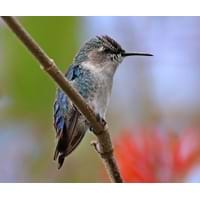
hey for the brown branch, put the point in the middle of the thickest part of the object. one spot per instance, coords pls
(104, 141)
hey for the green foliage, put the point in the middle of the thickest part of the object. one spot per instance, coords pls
(31, 91)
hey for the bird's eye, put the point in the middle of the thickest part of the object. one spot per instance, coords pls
(114, 57)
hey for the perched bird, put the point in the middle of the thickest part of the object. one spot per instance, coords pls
(91, 74)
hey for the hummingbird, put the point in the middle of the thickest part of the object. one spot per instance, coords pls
(91, 74)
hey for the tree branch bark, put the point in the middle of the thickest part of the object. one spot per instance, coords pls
(105, 148)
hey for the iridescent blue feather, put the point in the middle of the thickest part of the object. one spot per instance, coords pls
(61, 104)
(66, 116)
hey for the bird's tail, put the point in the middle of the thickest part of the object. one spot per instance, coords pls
(69, 139)
(64, 147)
(60, 151)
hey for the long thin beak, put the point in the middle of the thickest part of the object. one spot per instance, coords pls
(136, 54)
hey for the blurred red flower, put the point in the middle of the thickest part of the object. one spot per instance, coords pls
(152, 155)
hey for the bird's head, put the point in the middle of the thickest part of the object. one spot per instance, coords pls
(103, 52)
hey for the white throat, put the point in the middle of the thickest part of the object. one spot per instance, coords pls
(106, 69)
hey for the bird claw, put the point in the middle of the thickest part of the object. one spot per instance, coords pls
(96, 146)
(100, 120)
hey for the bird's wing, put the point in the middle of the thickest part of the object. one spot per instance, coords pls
(66, 117)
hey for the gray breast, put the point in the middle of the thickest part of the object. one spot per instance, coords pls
(102, 95)
(95, 87)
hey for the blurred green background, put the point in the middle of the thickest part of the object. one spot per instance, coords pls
(160, 92)
(27, 95)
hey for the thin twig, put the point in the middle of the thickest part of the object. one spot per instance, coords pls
(104, 141)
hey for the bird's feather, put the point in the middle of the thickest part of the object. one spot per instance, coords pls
(66, 117)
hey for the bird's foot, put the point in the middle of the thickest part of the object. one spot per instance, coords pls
(96, 146)
(100, 120)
